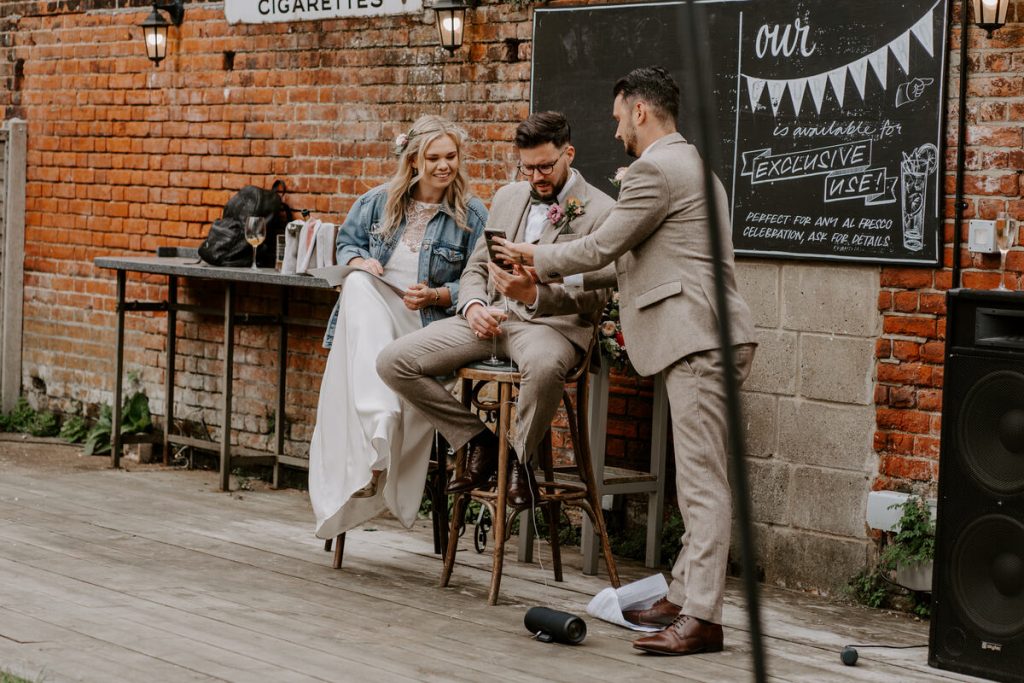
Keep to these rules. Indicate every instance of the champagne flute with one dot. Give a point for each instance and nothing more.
(501, 314)
(1006, 237)
(255, 233)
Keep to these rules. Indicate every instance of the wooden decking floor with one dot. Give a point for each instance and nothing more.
(151, 574)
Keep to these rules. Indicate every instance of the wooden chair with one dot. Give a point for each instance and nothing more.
(437, 482)
(552, 494)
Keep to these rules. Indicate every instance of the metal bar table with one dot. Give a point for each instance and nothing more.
(177, 263)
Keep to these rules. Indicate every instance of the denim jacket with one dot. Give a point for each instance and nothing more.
(443, 253)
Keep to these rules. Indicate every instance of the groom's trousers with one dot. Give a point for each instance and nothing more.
(412, 364)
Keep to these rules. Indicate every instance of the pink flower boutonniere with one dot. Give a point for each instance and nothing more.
(620, 173)
(562, 218)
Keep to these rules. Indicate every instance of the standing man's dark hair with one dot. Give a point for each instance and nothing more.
(653, 85)
(543, 127)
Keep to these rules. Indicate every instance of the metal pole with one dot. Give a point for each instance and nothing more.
(708, 131)
(961, 142)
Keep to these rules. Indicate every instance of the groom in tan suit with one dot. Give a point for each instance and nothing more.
(657, 236)
(548, 326)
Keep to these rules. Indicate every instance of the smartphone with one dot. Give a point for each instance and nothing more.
(489, 235)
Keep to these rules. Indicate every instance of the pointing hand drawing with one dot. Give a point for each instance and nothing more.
(912, 90)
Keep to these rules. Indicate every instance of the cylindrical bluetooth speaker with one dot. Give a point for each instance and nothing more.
(556, 626)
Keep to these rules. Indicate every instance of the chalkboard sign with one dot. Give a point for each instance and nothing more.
(829, 114)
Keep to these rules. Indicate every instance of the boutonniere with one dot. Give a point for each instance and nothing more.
(563, 218)
(620, 173)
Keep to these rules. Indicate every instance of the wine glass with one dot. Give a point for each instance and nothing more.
(1006, 237)
(255, 233)
(501, 314)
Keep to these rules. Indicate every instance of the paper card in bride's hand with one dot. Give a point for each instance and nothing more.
(335, 275)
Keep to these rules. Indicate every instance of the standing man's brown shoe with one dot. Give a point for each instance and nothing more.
(686, 636)
(661, 613)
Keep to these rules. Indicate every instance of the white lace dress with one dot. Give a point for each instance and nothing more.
(361, 425)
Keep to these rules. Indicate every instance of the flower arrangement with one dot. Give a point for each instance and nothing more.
(401, 142)
(563, 218)
(610, 339)
(620, 173)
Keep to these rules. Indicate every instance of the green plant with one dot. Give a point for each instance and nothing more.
(869, 588)
(6, 677)
(135, 419)
(24, 418)
(74, 429)
(914, 543)
(97, 441)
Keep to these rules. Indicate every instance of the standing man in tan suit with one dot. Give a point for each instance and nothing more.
(657, 236)
(548, 326)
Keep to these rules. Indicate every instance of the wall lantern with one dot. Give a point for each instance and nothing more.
(990, 14)
(154, 28)
(451, 23)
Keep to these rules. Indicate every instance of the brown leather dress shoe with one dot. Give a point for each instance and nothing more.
(481, 464)
(522, 488)
(661, 613)
(686, 636)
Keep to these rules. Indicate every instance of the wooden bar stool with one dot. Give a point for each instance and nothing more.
(552, 494)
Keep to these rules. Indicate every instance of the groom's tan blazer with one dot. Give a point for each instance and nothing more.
(657, 237)
(571, 311)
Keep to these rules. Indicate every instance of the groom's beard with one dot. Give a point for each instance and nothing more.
(551, 191)
(629, 142)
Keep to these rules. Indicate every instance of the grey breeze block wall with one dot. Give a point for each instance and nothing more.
(808, 409)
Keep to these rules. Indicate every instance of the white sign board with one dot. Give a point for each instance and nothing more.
(268, 11)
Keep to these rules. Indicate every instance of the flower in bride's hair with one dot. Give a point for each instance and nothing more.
(401, 142)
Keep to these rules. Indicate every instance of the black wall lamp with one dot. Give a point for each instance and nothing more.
(154, 28)
(989, 15)
(451, 23)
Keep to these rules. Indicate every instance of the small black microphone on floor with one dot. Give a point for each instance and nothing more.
(849, 655)
(550, 625)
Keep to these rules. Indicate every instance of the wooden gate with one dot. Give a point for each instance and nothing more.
(12, 258)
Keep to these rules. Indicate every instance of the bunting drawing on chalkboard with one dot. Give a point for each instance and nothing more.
(923, 30)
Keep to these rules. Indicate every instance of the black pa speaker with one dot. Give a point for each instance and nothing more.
(978, 591)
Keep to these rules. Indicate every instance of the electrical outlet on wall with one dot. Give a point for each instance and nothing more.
(981, 237)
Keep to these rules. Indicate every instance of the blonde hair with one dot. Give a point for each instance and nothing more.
(411, 165)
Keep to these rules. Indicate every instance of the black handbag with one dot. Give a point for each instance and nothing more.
(225, 243)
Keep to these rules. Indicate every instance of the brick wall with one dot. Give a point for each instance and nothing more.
(125, 157)
(909, 351)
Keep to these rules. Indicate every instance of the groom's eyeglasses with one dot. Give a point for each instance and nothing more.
(544, 169)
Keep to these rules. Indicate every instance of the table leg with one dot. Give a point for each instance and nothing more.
(172, 336)
(115, 428)
(229, 358)
(282, 374)
(659, 447)
(597, 418)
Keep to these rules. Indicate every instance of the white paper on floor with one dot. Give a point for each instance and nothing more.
(609, 604)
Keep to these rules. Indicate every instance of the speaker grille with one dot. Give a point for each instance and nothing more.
(988, 574)
(990, 431)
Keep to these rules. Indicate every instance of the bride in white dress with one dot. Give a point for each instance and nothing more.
(370, 450)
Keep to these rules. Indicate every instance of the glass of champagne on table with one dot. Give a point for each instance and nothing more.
(1006, 237)
(255, 233)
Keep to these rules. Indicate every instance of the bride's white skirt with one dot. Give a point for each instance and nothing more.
(361, 424)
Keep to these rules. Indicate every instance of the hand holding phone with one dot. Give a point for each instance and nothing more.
(489, 235)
